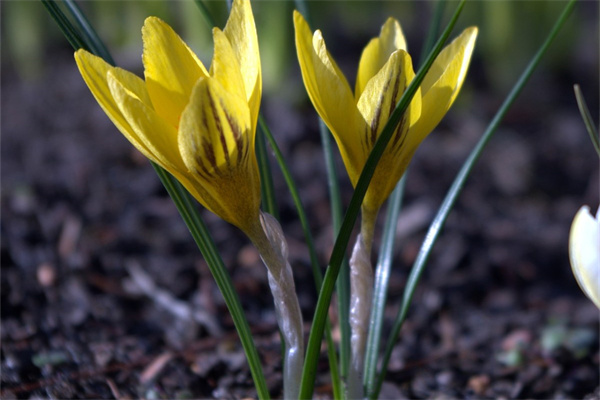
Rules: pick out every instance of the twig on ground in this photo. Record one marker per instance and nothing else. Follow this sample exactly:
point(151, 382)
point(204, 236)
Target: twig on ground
point(164, 299)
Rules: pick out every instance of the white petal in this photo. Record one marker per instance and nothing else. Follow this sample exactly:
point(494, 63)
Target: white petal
point(584, 251)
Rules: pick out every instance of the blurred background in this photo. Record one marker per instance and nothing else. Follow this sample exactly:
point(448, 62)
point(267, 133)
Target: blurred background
point(498, 312)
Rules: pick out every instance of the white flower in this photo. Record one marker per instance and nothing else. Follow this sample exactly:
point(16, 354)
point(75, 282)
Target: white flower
point(584, 251)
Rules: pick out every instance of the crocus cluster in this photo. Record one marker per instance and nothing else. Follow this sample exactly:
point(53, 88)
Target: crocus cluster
point(200, 126)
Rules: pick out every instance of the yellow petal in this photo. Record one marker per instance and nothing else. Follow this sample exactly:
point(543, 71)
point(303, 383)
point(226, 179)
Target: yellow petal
point(377, 102)
point(328, 89)
point(381, 95)
point(94, 71)
point(215, 131)
point(377, 52)
point(225, 67)
point(149, 132)
point(444, 80)
point(241, 33)
point(584, 252)
point(171, 69)
point(217, 146)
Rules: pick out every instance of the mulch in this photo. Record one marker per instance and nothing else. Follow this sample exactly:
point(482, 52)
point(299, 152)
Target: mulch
point(85, 222)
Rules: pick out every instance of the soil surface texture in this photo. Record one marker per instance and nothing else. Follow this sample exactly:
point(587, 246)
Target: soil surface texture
point(105, 295)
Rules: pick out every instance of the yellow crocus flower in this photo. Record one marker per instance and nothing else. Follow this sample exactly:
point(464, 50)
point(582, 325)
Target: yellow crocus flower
point(384, 72)
point(356, 120)
point(199, 125)
point(584, 252)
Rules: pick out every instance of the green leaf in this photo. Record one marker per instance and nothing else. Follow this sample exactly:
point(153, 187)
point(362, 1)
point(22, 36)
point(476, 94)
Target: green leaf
point(266, 178)
point(205, 13)
point(434, 27)
point(343, 280)
point(189, 212)
point(71, 34)
point(90, 36)
point(382, 277)
point(587, 119)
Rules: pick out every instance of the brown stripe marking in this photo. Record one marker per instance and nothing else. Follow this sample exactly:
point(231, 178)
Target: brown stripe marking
point(237, 135)
point(219, 128)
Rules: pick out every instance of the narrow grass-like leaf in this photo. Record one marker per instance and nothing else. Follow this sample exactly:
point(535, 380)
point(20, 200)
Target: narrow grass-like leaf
point(384, 262)
point(317, 275)
point(267, 188)
point(189, 212)
point(382, 277)
point(587, 119)
point(90, 36)
point(343, 281)
point(434, 28)
point(453, 192)
point(271, 205)
point(205, 12)
point(287, 176)
point(70, 33)
point(339, 248)
point(303, 9)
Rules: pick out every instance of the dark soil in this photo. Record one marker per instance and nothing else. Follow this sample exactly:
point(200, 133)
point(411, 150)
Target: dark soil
point(497, 314)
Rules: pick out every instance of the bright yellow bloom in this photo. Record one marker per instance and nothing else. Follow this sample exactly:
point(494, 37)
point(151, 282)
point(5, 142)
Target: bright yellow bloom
point(199, 125)
point(384, 72)
point(584, 251)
